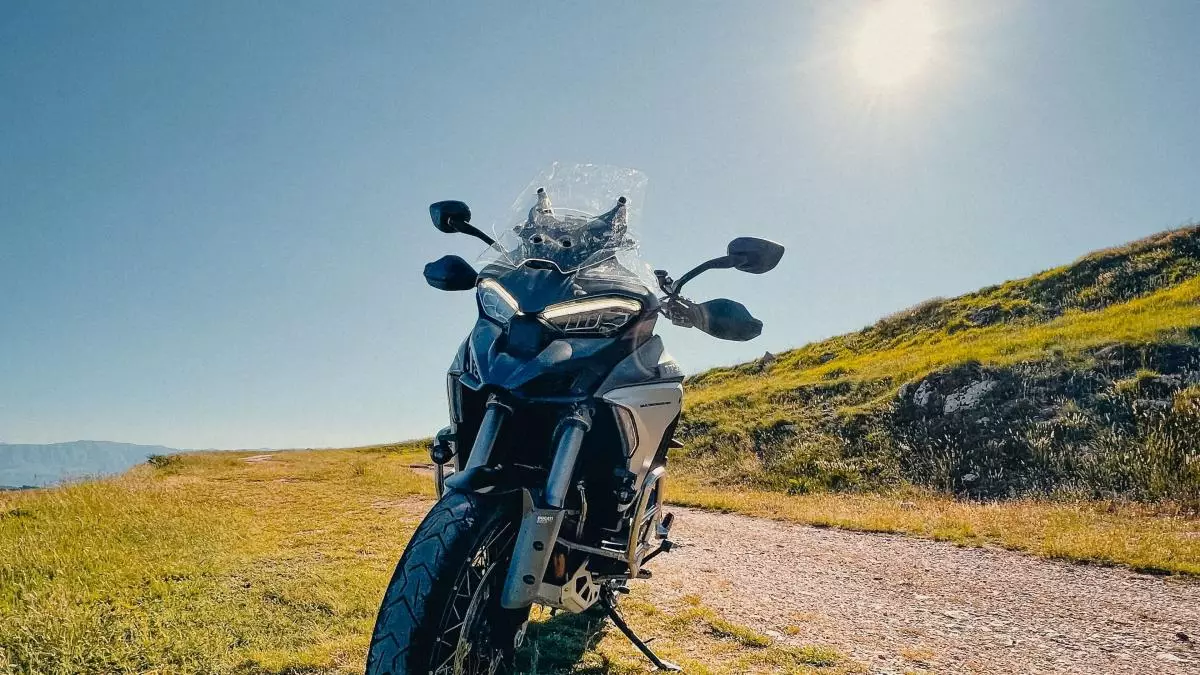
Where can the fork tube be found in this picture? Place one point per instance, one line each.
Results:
(570, 437)
(489, 429)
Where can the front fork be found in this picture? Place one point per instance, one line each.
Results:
(542, 516)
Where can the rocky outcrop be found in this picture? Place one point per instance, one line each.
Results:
(990, 432)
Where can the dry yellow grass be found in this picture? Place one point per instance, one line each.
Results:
(688, 633)
(208, 563)
(1104, 533)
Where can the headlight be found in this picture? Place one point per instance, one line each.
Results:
(496, 302)
(601, 316)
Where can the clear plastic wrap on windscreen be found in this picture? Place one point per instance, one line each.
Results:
(577, 218)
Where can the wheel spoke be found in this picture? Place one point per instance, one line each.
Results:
(465, 644)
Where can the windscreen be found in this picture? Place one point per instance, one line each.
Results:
(574, 217)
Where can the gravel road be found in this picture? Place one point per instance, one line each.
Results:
(898, 604)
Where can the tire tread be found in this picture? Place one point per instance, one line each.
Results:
(420, 585)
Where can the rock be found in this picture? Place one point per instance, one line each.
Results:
(762, 363)
(1165, 358)
(826, 358)
(968, 397)
(985, 315)
(956, 614)
(967, 478)
(923, 394)
(1171, 358)
(1159, 386)
(1166, 656)
(1182, 637)
(1146, 404)
(1119, 353)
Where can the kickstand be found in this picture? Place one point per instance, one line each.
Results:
(607, 600)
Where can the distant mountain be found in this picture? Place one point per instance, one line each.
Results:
(37, 465)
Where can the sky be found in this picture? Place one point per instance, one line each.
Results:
(213, 215)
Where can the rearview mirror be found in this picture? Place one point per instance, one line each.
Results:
(450, 216)
(727, 319)
(454, 216)
(757, 255)
(451, 273)
(748, 254)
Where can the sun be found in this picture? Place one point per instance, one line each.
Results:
(894, 42)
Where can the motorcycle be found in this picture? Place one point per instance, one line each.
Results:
(563, 403)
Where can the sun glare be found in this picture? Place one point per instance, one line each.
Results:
(894, 42)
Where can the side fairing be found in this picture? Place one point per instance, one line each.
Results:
(651, 408)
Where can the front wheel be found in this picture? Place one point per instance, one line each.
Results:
(441, 612)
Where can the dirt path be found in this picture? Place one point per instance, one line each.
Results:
(899, 604)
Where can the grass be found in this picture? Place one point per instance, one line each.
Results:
(1162, 316)
(1108, 533)
(207, 563)
(688, 633)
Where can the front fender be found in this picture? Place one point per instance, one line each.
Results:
(494, 480)
(531, 555)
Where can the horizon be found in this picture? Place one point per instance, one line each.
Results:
(404, 441)
(231, 449)
(212, 220)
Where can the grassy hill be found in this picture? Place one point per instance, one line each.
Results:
(1082, 381)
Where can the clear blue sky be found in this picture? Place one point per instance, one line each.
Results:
(213, 214)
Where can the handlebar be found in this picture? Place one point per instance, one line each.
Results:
(679, 310)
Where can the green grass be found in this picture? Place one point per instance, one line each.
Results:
(1166, 315)
(206, 563)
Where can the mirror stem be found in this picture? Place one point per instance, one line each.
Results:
(724, 262)
(467, 228)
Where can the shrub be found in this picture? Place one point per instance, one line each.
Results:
(163, 461)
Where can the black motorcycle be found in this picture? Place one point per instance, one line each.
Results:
(563, 403)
